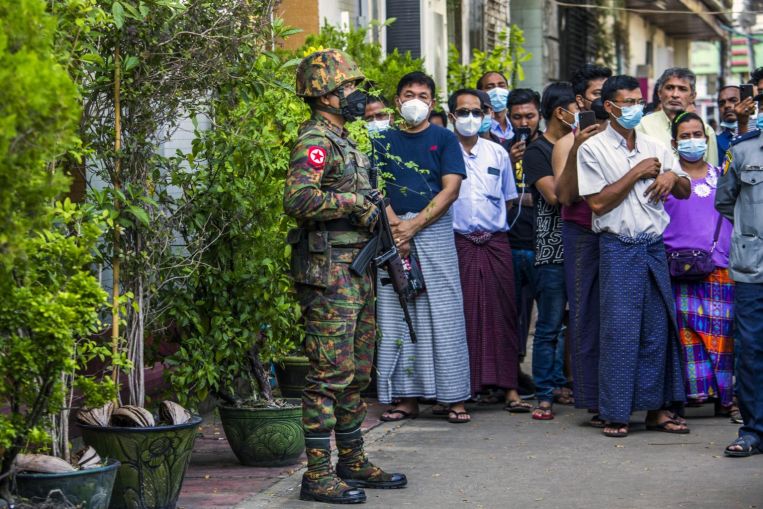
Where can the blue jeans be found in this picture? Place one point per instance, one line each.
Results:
(524, 284)
(548, 346)
(748, 317)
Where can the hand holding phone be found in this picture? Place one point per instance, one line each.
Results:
(745, 91)
(586, 119)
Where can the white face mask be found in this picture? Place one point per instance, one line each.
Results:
(468, 126)
(376, 126)
(414, 111)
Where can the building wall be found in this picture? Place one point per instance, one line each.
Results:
(434, 41)
(529, 16)
(300, 14)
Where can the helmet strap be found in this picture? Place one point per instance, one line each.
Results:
(339, 92)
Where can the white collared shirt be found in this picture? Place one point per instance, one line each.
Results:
(481, 203)
(604, 159)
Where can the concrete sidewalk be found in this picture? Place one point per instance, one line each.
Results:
(508, 460)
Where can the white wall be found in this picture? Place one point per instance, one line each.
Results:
(434, 41)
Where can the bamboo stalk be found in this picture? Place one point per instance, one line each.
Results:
(115, 264)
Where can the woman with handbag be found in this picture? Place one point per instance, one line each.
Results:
(698, 242)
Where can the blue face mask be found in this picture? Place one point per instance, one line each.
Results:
(630, 116)
(498, 97)
(730, 125)
(575, 122)
(759, 122)
(693, 149)
(487, 123)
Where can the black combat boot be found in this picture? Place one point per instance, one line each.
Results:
(320, 483)
(355, 469)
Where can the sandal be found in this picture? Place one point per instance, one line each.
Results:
(748, 444)
(489, 399)
(388, 416)
(456, 417)
(597, 422)
(518, 407)
(621, 430)
(663, 427)
(543, 412)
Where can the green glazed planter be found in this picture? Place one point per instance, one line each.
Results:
(89, 489)
(265, 437)
(291, 373)
(153, 460)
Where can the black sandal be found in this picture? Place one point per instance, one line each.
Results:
(747, 443)
(618, 426)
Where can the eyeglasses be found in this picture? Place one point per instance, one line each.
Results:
(463, 113)
(630, 102)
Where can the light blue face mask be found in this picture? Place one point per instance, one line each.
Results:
(576, 122)
(759, 122)
(692, 149)
(630, 116)
(487, 123)
(498, 97)
(730, 125)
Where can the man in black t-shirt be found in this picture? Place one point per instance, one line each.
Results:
(559, 107)
(524, 115)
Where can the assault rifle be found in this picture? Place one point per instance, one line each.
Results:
(382, 251)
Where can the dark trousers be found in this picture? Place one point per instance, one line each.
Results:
(524, 283)
(748, 309)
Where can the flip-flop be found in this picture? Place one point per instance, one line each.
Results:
(749, 447)
(618, 433)
(546, 415)
(403, 415)
(597, 422)
(663, 427)
(518, 407)
(455, 419)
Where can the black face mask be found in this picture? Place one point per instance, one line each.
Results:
(353, 106)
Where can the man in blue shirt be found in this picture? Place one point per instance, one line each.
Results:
(422, 167)
(728, 98)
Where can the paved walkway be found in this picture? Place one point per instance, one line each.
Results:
(502, 460)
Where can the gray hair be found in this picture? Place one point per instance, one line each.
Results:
(681, 73)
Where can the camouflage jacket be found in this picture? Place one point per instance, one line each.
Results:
(326, 172)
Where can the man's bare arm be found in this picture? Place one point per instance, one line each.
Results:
(613, 194)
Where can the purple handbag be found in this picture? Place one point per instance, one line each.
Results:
(692, 265)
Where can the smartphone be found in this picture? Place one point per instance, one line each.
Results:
(586, 119)
(521, 134)
(745, 91)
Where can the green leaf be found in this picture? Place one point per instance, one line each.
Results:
(93, 58)
(139, 214)
(131, 62)
(119, 14)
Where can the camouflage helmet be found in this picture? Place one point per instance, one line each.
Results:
(324, 71)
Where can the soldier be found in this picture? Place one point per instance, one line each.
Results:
(329, 193)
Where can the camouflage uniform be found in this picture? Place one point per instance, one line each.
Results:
(325, 191)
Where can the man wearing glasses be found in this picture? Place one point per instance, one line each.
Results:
(676, 88)
(625, 176)
(484, 254)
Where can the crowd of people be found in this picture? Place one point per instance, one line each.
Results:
(632, 229)
(609, 229)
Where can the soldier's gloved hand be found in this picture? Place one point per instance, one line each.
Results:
(373, 196)
(366, 213)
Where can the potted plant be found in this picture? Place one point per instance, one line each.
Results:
(142, 68)
(237, 313)
(49, 299)
(291, 372)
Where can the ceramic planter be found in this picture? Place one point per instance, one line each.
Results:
(90, 488)
(153, 460)
(291, 373)
(265, 437)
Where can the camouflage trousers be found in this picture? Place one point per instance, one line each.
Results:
(339, 343)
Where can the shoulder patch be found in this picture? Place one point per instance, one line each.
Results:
(727, 161)
(744, 137)
(316, 157)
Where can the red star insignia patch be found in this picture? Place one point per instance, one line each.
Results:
(316, 156)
